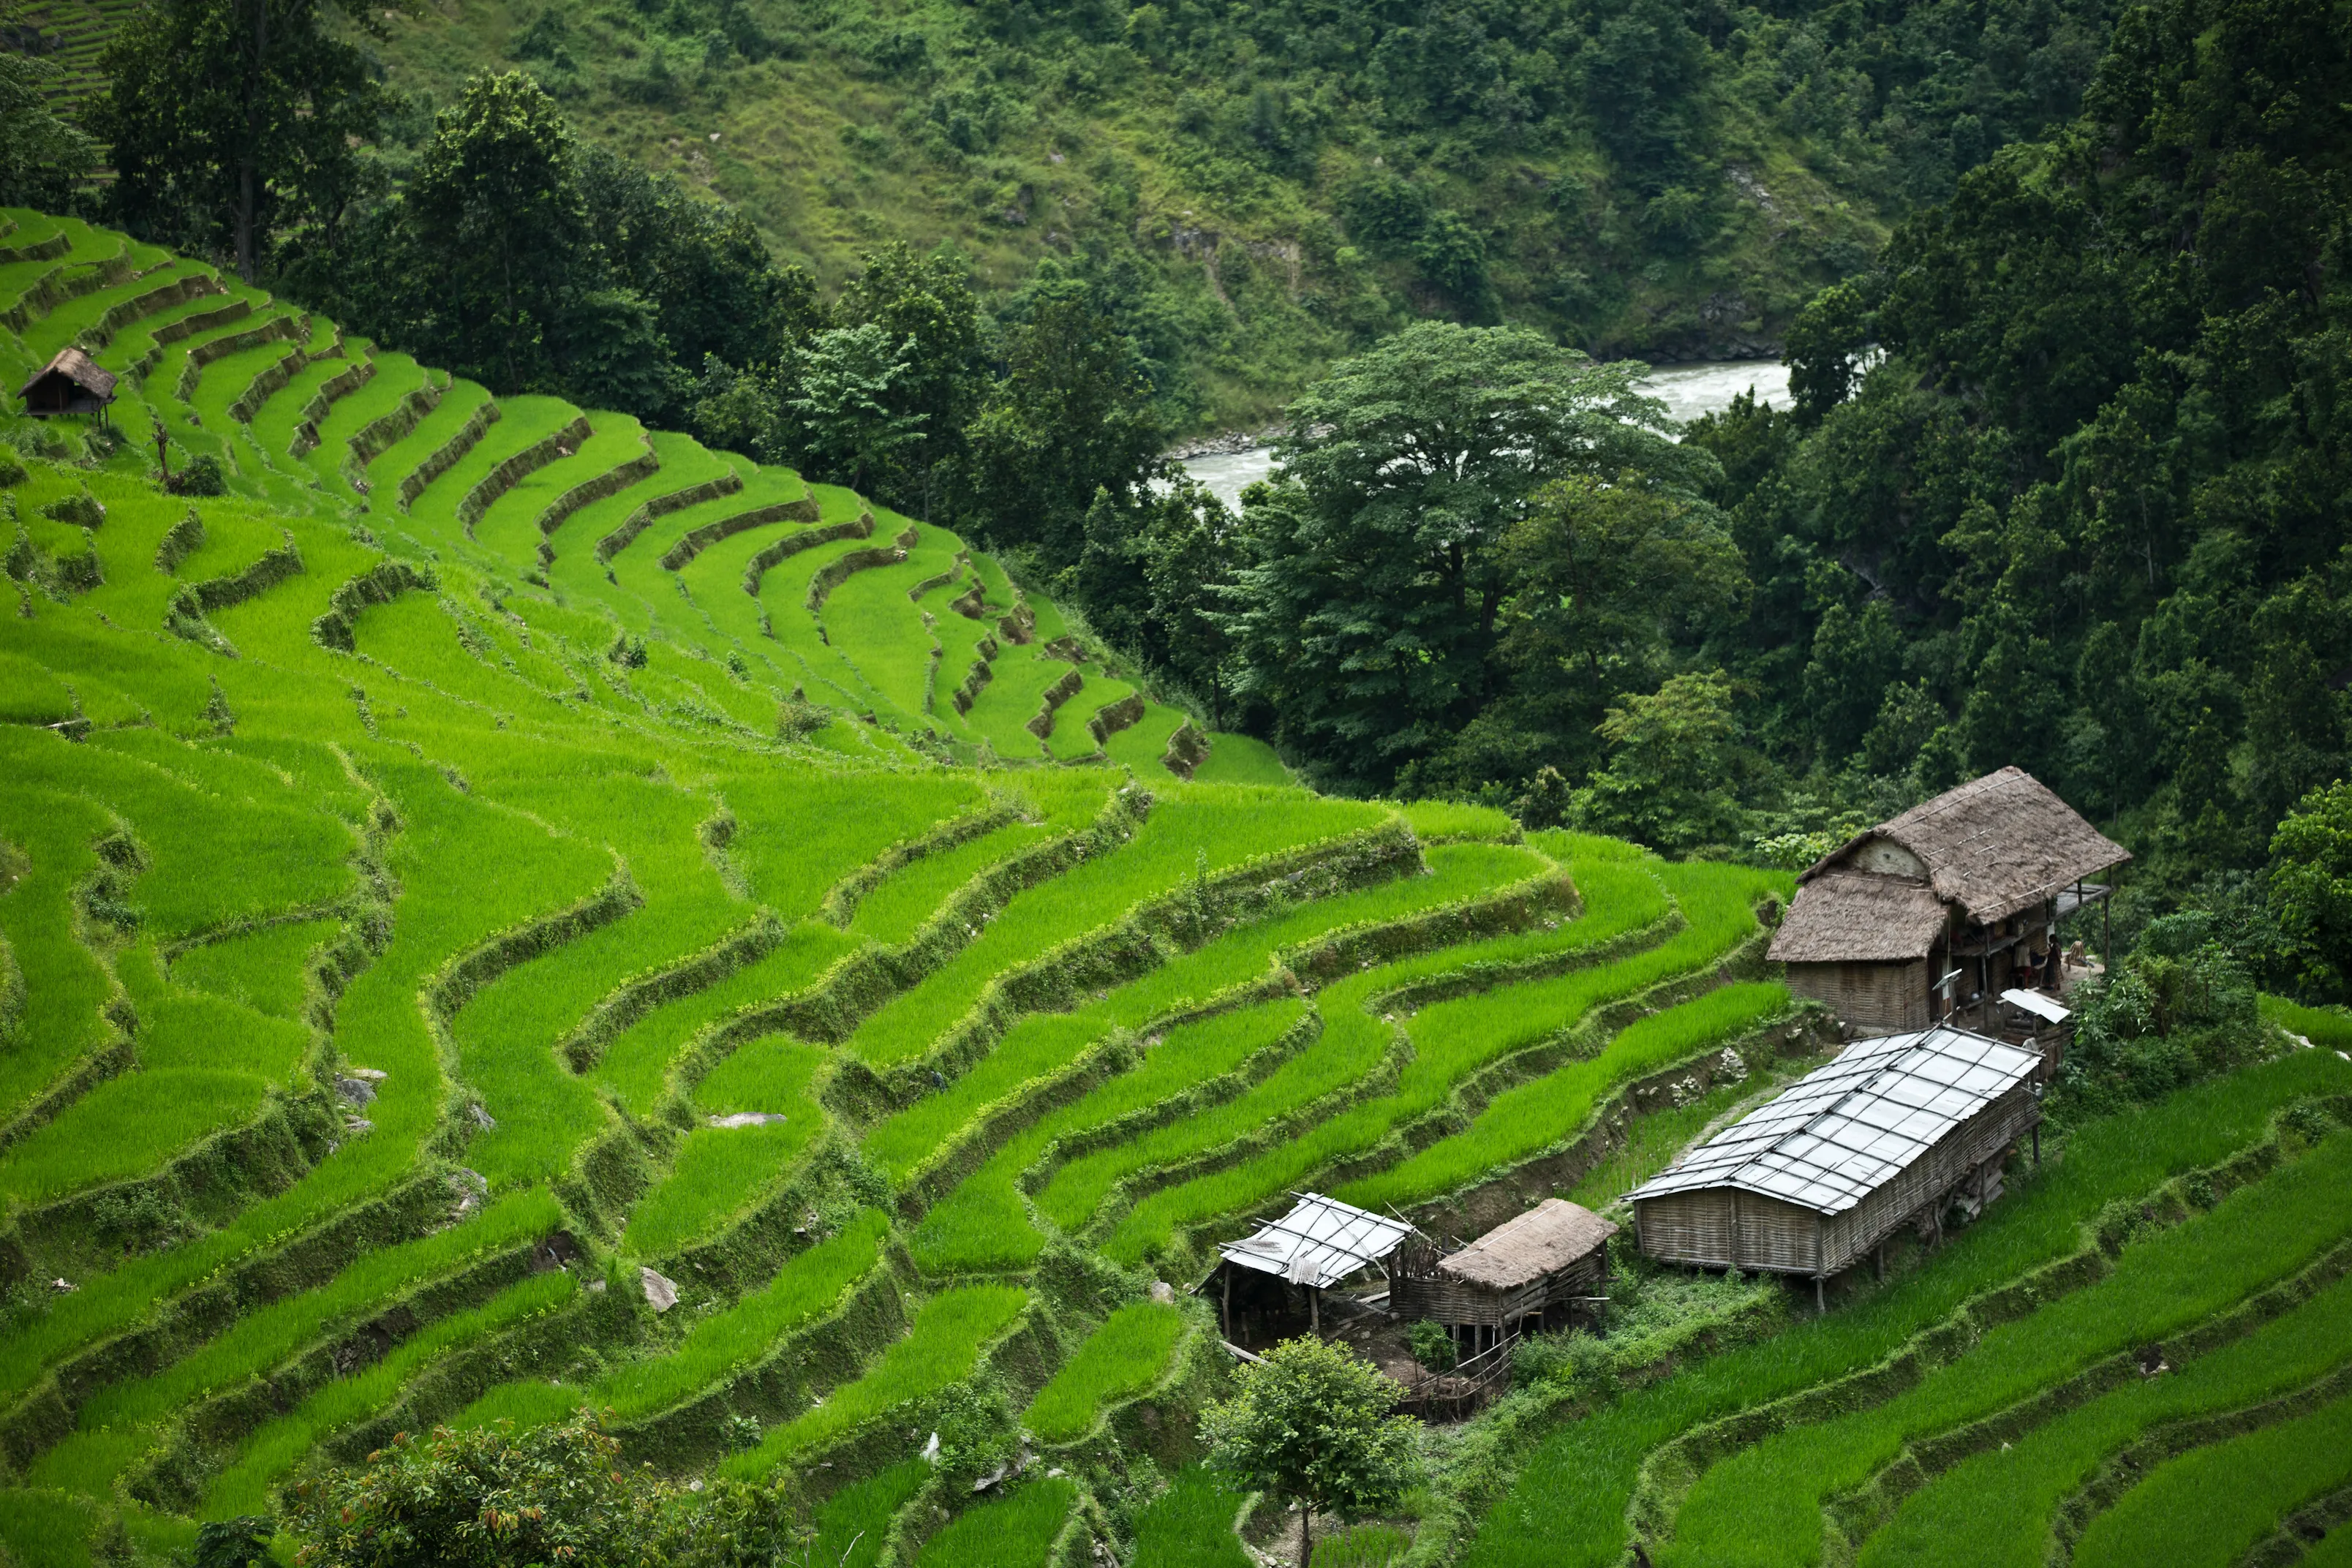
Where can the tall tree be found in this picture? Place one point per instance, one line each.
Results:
(846, 378)
(228, 117)
(926, 301)
(1367, 616)
(496, 225)
(1070, 413)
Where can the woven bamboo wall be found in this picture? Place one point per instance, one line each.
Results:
(1889, 996)
(1849, 1236)
(1442, 1298)
(1722, 1228)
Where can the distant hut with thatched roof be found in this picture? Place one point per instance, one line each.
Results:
(1936, 913)
(71, 382)
(1550, 1260)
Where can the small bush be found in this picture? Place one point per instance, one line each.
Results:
(202, 477)
(2180, 1008)
(1432, 1345)
(1562, 1359)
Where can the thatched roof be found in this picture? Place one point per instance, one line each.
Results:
(1994, 845)
(77, 368)
(1852, 917)
(1544, 1240)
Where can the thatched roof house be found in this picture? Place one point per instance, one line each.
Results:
(1954, 900)
(1889, 1134)
(1553, 1256)
(72, 382)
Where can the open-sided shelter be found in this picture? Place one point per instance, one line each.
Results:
(1553, 1256)
(70, 384)
(1320, 1242)
(1891, 1133)
(1943, 907)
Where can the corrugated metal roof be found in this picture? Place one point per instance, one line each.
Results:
(1319, 1242)
(1840, 1132)
(2047, 1008)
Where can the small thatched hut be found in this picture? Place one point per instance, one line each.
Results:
(1944, 906)
(1891, 1133)
(1552, 1256)
(70, 384)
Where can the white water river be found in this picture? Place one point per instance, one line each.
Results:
(1687, 391)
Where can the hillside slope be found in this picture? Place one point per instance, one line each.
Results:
(493, 852)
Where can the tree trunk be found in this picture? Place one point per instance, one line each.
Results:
(1305, 1534)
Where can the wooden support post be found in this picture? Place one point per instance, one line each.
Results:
(1820, 1303)
(1878, 1260)
(1314, 1309)
(1225, 1307)
(2037, 1145)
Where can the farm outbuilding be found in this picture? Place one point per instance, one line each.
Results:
(1285, 1265)
(1553, 1258)
(70, 384)
(1931, 915)
(1893, 1132)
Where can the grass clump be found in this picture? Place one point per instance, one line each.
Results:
(853, 1522)
(1190, 1525)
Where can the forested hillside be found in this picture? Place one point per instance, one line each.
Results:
(1251, 191)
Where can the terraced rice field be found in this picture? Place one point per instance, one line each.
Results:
(428, 934)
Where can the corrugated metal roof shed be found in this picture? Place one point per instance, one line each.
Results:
(1320, 1242)
(1840, 1131)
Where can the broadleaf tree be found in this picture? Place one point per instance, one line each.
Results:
(1367, 611)
(229, 118)
(1310, 1423)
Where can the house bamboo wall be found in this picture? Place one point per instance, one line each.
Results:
(1723, 1227)
(1442, 1298)
(1884, 996)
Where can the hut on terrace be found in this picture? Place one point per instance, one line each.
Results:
(1551, 1259)
(70, 384)
(1893, 1132)
(1279, 1272)
(1933, 915)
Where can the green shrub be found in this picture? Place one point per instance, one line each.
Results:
(1432, 1345)
(493, 1498)
(2178, 1008)
(203, 476)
